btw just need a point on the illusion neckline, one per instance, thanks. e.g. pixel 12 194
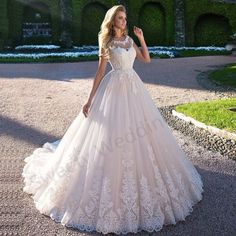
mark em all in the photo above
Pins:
pixel 126 36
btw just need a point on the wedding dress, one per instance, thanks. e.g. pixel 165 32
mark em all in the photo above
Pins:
pixel 120 169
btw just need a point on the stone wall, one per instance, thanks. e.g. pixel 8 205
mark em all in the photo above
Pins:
pixel 179 23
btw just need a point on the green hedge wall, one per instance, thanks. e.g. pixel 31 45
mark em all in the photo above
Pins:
pixel 208 32
pixel 3 22
pixel 212 30
pixel 206 22
pixel 86 24
pixel 87 18
pixel 156 18
pixel 92 17
pixel 152 21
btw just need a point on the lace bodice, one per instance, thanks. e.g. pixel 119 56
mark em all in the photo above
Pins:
pixel 122 54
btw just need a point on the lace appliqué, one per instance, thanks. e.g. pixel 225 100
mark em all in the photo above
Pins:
pixel 129 194
pixel 151 219
pixel 143 206
pixel 126 43
pixel 108 219
pixel 124 76
pixel 177 195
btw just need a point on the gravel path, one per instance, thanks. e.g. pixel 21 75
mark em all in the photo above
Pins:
pixel 39 101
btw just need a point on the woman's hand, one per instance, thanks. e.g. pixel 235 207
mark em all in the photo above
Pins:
pixel 138 32
pixel 86 108
pixel 141 54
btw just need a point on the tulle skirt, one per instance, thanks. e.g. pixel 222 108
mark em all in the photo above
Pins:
pixel 119 170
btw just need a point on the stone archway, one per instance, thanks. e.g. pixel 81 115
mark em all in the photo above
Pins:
pixel 92 17
pixel 152 21
pixel 36 23
pixel 212 29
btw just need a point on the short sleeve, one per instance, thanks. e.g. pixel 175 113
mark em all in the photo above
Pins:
pixel 131 40
pixel 102 53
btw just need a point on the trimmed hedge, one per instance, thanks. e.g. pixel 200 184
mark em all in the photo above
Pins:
pixel 206 32
pixel 206 22
pixel 92 18
pixel 4 22
pixel 85 22
pixel 152 21
pixel 202 32
pixel 156 18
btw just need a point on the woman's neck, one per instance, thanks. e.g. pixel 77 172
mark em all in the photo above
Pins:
pixel 118 36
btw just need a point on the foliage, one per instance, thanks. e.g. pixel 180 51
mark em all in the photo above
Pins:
pixel 225 76
pixel 206 22
pixel 152 21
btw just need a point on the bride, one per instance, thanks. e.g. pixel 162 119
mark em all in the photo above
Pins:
pixel 118 167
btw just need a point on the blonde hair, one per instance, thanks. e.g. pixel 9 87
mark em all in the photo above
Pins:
pixel 107 32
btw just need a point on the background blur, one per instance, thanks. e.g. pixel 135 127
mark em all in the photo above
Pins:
pixel 77 22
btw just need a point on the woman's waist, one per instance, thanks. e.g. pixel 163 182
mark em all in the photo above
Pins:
pixel 125 69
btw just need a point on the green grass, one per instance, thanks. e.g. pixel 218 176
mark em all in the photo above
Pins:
pixel 213 113
pixel 194 53
pixel 225 76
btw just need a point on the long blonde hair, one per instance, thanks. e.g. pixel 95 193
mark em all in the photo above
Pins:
pixel 107 32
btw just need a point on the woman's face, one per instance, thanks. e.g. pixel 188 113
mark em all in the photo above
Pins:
pixel 120 20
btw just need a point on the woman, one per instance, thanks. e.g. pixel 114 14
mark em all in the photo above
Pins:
pixel 118 167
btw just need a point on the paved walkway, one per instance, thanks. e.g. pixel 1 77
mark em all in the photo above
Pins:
pixel 39 101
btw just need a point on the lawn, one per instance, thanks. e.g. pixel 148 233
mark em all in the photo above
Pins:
pixel 225 76
pixel 214 113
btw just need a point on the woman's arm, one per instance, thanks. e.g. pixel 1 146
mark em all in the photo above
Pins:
pixel 142 54
pixel 98 77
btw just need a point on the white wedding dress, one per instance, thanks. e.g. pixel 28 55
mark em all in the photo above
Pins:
pixel 120 169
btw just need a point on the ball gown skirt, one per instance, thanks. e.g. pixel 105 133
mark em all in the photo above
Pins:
pixel 120 169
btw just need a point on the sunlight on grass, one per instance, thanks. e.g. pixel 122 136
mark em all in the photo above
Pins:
pixel 214 113
pixel 225 76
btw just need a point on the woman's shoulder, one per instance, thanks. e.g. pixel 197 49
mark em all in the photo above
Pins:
pixel 130 38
